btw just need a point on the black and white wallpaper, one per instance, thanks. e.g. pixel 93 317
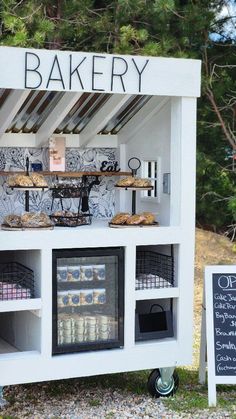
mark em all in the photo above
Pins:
pixel 101 200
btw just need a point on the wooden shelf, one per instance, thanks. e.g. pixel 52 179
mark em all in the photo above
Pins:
pixel 70 174
pixel 135 188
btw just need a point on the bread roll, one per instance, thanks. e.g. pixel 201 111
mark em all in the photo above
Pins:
pixel 32 219
pixel 38 180
pixel 23 180
pixel 135 219
pixel 149 218
pixel 120 218
pixel 127 181
pixel 142 183
pixel 12 220
pixel 11 181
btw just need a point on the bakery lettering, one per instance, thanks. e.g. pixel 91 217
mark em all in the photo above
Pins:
pixel 37 73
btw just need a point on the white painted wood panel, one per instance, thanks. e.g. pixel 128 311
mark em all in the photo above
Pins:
pixel 79 71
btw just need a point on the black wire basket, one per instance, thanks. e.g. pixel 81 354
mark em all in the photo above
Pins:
pixel 16 281
pixel 61 191
pixel 75 220
pixel 153 270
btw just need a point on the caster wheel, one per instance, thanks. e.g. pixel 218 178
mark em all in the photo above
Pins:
pixel 159 389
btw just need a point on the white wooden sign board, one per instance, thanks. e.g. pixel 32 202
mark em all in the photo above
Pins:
pixel 40 69
pixel 218 328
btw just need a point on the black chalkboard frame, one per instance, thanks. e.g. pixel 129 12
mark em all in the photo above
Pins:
pixel 219 278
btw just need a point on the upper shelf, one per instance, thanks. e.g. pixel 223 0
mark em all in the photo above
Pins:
pixel 71 174
pixel 135 188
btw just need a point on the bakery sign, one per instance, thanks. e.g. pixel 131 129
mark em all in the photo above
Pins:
pixel 40 69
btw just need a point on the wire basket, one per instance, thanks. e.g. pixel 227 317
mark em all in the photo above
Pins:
pixel 71 220
pixel 16 281
pixel 61 191
pixel 154 270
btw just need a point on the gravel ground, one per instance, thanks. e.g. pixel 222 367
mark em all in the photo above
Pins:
pixel 70 401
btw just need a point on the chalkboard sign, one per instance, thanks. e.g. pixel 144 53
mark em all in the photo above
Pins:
pixel 220 298
pixel 224 314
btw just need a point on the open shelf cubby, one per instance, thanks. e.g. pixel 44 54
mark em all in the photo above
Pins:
pixel 20 331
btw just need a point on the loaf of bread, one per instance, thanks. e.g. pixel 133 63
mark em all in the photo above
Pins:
pixel 11 181
pixel 127 181
pixel 142 183
pixel 38 180
pixel 135 219
pixel 120 218
pixel 149 218
pixel 12 220
pixel 23 180
pixel 32 219
pixel 19 180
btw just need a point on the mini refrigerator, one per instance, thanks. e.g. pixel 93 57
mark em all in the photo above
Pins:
pixel 88 299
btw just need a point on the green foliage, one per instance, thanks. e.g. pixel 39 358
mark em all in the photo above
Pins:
pixel 232 207
pixel 216 191
pixel 177 28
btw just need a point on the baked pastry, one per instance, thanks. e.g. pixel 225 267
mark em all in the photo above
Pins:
pixel 38 180
pixel 120 218
pixel 135 219
pixel 149 218
pixel 68 218
pixel 23 180
pixel 32 219
pixel 11 181
pixel 127 181
pixel 142 183
pixel 12 220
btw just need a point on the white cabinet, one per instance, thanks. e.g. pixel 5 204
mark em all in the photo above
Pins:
pixel 20 301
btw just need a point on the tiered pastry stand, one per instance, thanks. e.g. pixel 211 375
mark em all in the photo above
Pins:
pixel 29 188
pixel 134 168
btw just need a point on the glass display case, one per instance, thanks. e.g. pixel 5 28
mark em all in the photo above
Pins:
pixel 88 294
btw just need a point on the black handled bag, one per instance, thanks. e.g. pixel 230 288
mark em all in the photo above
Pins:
pixel 153 325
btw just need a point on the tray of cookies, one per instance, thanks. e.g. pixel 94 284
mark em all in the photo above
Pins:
pixel 125 219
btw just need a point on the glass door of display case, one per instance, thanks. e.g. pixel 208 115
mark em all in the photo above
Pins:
pixel 88 299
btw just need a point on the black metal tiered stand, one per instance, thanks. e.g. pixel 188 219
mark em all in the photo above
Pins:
pixel 27 189
pixel 134 166
pixel 134 173
pixel 82 191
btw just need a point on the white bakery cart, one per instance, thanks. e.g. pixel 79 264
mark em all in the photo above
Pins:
pixel 145 107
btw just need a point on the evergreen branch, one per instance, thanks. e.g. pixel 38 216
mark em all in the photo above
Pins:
pixel 228 133
pixel 174 12
pixel 28 16
pixel 18 4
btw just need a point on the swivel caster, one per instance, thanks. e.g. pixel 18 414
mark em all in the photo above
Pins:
pixel 163 382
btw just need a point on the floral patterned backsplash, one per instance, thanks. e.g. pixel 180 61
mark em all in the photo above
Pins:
pixel 101 200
